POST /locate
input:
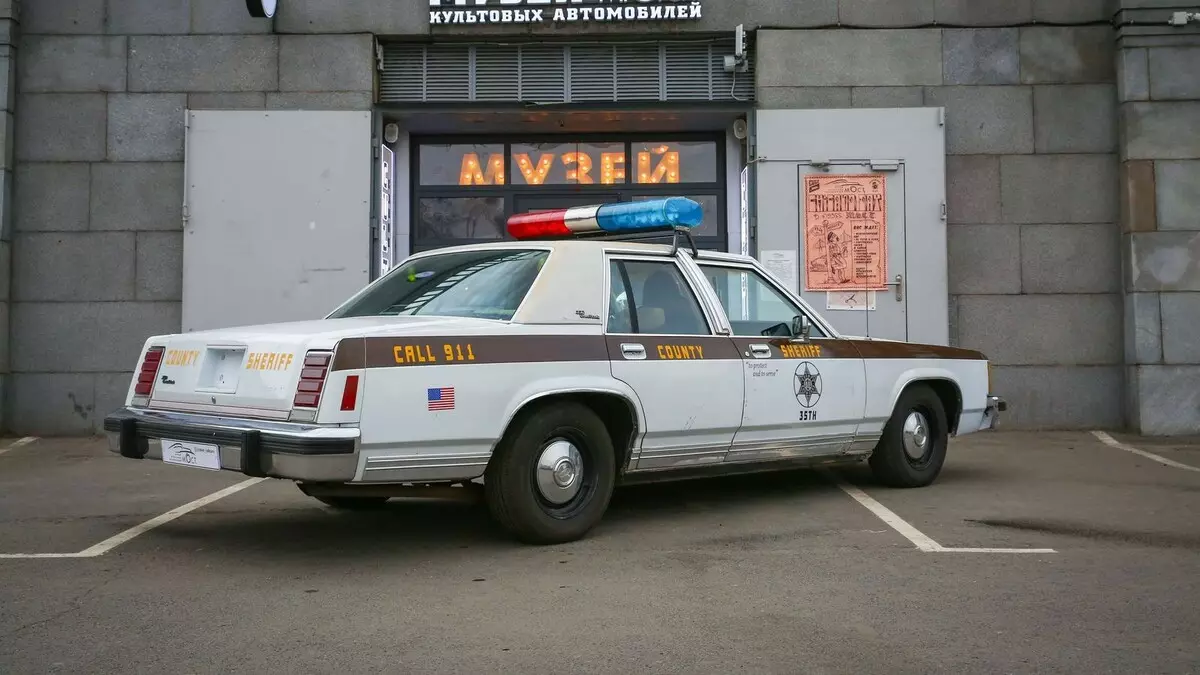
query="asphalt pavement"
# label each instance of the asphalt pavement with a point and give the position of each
(802, 572)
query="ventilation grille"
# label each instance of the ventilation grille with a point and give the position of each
(567, 73)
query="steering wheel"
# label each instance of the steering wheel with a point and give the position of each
(779, 329)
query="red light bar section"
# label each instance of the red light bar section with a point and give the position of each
(539, 224)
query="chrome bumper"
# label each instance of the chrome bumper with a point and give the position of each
(995, 406)
(258, 448)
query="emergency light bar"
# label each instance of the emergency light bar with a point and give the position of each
(624, 217)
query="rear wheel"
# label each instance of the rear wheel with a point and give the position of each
(913, 447)
(552, 475)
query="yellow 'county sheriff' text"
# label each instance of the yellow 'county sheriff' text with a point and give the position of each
(680, 352)
(181, 357)
(450, 353)
(801, 351)
(269, 361)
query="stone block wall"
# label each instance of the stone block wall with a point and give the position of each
(1071, 190)
(102, 86)
(1032, 206)
(1159, 90)
(9, 21)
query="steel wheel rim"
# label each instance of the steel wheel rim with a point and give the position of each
(560, 472)
(917, 436)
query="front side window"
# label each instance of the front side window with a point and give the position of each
(652, 297)
(753, 306)
(472, 284)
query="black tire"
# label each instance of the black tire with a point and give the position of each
(511, 484)
(891, 463)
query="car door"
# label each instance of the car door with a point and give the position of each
(662, 343)
(802, 397)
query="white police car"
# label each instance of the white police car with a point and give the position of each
(553, 367)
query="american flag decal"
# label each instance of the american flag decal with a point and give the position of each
(441, 398)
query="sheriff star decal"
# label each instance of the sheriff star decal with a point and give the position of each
(807, 385)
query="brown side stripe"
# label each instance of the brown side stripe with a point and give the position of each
(385, 352)
(816, 349)
(701, 347)
(781, 348)
(463, 349)
(870, 349)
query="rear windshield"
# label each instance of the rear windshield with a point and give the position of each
(473, 284)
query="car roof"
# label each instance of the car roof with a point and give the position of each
(573, 284)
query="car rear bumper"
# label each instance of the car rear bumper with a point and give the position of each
(258, 448)
(991, 414)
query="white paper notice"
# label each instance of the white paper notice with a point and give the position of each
(850, 300)
(782, 264)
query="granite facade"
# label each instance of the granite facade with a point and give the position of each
(97, 239)
(1071, 194)
(1159, 105)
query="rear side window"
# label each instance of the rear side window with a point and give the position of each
(470, 284)
(652, 297)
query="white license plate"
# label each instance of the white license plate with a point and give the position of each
(199, 455)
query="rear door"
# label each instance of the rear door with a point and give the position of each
(663, 344)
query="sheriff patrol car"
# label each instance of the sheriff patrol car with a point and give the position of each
(550, 369)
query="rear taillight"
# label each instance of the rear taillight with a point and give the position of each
(148, 371)
(312, 380)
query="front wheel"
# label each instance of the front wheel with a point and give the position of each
(553, 474)
(913, 447)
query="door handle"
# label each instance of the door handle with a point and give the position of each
(632, 350)
(899, 284)
(761, 351)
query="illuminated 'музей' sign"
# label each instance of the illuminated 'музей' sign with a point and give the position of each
(658, 165)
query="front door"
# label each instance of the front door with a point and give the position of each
(688, 379)
(803, 398)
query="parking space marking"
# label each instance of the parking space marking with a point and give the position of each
(18, 443)
(1114, 443)
(118, 539)
(919, 539)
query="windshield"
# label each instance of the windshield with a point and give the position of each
(473, 284)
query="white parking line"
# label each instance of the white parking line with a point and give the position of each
(116, 540)
(918, 538)
(1114, 443)
(18, 443)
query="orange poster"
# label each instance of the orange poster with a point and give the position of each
(845, 232)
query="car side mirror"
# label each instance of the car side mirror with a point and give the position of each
(801, 326)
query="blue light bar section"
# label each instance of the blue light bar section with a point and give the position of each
(650, 214)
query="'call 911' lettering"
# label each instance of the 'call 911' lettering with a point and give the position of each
(449, 353)
(800, 351)
(680, 352)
